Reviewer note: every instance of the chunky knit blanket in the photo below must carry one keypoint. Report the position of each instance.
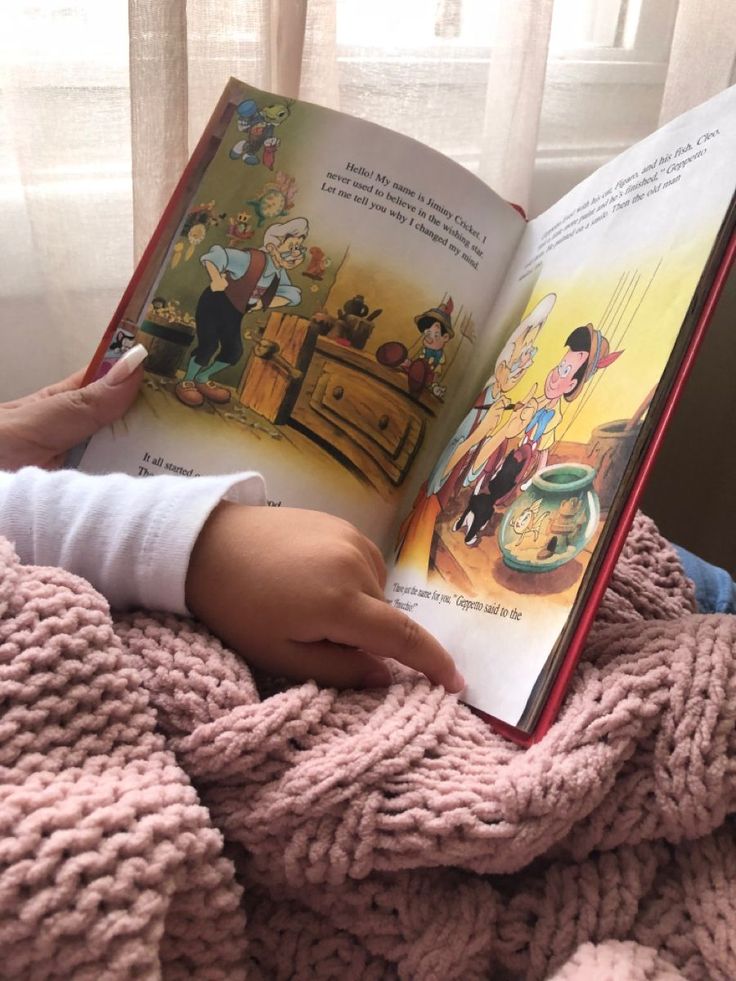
(161, 818)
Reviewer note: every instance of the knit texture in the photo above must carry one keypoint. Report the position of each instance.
(158, 818)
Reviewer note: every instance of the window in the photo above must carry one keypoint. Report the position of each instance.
(605, 75)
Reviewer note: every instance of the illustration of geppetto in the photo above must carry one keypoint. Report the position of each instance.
(425, 367)
(484, 418)
(473, 443)
(241, 281)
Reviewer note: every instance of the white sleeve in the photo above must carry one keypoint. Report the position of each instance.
(130, 537)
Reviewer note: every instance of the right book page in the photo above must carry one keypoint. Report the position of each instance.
(505, 536)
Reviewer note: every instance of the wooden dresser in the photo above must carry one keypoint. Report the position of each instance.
(362, 412)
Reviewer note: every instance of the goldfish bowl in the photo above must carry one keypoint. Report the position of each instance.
(552, 521)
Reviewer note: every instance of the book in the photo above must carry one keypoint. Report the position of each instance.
(385, 338)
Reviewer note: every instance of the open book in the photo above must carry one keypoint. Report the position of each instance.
(382, 336)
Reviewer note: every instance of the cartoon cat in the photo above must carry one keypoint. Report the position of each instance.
(488, 493)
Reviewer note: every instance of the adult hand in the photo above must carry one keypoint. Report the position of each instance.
(39, 429)
(300, 593)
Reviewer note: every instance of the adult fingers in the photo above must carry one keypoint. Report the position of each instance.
(65, 418)
(70, 383)
(377, 627)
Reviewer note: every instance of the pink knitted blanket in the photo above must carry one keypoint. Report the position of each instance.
(159, 818)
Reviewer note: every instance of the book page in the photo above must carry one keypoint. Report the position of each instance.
(310, 309)
(493, 555)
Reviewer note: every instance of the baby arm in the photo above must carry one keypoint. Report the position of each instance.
(130, 537)
(296, 593)
(301, 593)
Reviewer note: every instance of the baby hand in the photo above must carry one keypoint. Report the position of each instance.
(300, 593)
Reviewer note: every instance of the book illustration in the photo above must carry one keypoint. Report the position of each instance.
(353, 325)
(265, 318)
(492, 412)
(423, 363)
(510, 491)
(536, 540)
(318, 263)
(122, 341)
(315, 321)
(609, 449)
(496, 478)
(588, 351)
(240, 281)
(275, 199)
(527, 521)
(237, 347)
(240, 227)
(194, 231)
(258, 144)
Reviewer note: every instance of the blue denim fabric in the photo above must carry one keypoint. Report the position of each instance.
(715, 590)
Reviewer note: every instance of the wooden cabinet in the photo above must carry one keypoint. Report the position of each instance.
(361, 412)
(275, 370)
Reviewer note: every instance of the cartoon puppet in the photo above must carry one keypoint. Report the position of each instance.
(240, 281)
(587, 352)
(423, 370)
(257, 126)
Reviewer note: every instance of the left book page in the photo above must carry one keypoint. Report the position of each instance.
(312, 301)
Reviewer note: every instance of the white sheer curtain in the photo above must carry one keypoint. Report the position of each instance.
(100, 104)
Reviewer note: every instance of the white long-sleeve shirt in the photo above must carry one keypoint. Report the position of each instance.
(130, 537)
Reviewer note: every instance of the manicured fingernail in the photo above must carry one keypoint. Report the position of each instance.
(458, 683)
(377, 679)
(125, 366)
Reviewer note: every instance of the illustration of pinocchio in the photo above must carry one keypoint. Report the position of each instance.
(435, 326)
(425, 365)
(588, 352)
(500, 478)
